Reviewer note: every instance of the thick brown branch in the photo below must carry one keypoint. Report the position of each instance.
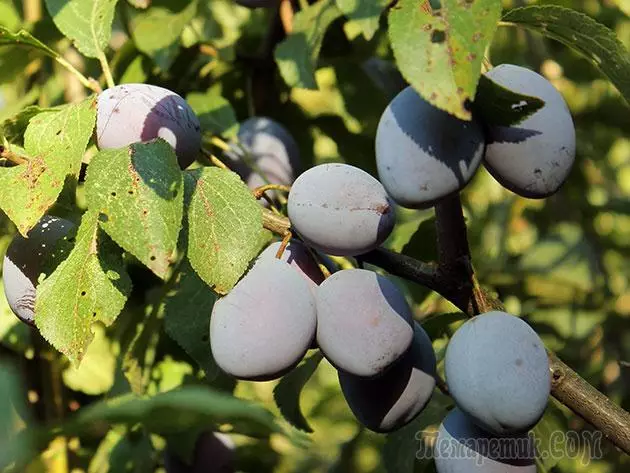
(573, 391)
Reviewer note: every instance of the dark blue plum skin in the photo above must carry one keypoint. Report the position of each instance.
(271, 149)
(340, 210)
(364, 324)
(424, 154)
(133, 113)
(391, 401)
(497, 371)
(265, 325)
(462, 447)
(298, 257)
(214, 453)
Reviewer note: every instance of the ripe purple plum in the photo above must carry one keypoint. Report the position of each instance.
(269, 154)
(340, 209)
(25, 260)
(296, 254)
(534, 158)
(462, 447)
(265, 325)
(423, 154)
(214, 453)
(132, 113)
(391, 401)
(497, 371)
(364, 324)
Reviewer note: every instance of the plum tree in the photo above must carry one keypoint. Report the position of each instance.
(340, 209)
(131, 113)
(244, 324)
(533, 158)
(269, 154)
(214, 453)
(424, 154)
(462, 447)
(393, 400)
(364, 323)
(26, 259)
(497, 371)
(296, 254)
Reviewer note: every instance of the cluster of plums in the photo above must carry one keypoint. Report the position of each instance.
(496, 367)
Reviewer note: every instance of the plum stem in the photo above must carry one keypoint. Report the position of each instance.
(286, 15)
(12, 157)
(259, 192)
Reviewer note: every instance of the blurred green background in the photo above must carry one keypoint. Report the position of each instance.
(562, 263)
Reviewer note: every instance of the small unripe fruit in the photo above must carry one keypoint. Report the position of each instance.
(423, 154)
(25, 260)
(132, 113)
(533, 158)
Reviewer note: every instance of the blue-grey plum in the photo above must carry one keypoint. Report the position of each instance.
(214, 453)
(533, 158)
(462, 447)
(268, 153)
(258, 3)
(340, 209)
(423, 154)
(497, 371)
(26, 259)
(391, 401)
(296, 254)
(266, 323)
(131, 113)
(364, 324)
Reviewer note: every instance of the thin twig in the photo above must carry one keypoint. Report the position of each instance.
(106, 70)
(286, 16)
(12, 157)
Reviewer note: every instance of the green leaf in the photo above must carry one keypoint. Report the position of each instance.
(297, 55)
(405, 451)
(366, 13)
(187, 318)
(437, 325)
(88, 23)
(545, 431)
(161, 25)
(95, 376)
(26, 39)
(14, 128)
(287, 392)
(215, 113)
(440, 55)
(176, 411)
(139, 192)
(225, 227)
(499, 106)
(91, 285)
(123, 451)
(9, 15)
(584, 35)
(55, 142)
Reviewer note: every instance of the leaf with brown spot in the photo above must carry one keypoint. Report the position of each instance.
(27, 191)
(225, 227)
(139, 192)
(91, 285)
(441, 55)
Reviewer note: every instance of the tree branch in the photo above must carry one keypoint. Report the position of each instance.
(462, 289)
